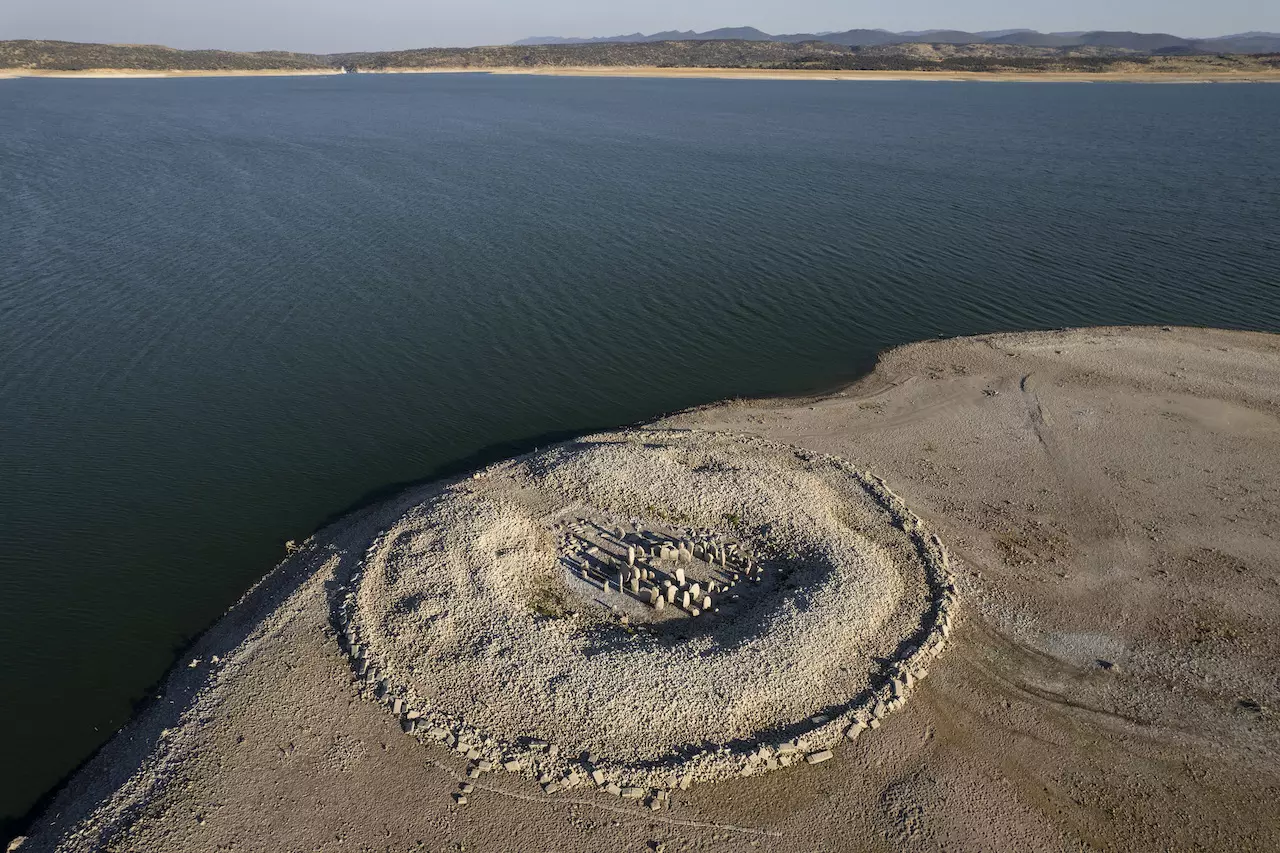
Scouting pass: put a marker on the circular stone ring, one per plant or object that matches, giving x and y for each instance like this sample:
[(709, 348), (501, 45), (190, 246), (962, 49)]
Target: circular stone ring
[(642, 610)]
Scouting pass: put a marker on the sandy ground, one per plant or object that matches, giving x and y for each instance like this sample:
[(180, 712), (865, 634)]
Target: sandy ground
[(707, 73), (113, 73), (1112, 499)]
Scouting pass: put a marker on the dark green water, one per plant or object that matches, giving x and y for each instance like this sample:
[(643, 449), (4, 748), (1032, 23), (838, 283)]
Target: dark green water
[(231, 308)]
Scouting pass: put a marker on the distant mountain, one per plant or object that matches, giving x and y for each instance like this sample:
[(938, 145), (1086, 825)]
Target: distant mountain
[(1243, 43), (722, 34), (852, 38), (1154, 43)]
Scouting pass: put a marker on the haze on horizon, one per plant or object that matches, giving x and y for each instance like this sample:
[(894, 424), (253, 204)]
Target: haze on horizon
[(332, 26)]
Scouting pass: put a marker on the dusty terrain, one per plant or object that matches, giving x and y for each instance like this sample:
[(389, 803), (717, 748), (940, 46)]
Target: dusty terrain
[(1111, 501)]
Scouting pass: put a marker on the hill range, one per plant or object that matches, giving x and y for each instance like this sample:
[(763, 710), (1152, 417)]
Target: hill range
[(1251, 42), (19, 58)]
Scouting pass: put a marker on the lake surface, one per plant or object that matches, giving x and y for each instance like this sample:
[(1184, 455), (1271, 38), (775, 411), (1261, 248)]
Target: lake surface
[(230, 309)]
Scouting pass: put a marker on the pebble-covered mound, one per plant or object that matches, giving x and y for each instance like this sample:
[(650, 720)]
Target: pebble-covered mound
[(640, 610)]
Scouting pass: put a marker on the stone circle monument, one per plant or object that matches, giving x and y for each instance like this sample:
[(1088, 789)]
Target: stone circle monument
[(642, 610)]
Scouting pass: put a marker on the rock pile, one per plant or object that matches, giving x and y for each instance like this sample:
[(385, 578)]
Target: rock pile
[(639, 611)]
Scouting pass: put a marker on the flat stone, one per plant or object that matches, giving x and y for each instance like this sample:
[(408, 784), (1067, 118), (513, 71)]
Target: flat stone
[(613, 788), (818, 757), (597, 776), (466, 787), (632, 793), (513, 766)]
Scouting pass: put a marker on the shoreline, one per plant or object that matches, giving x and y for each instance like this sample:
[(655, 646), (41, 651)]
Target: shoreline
[(133, 780), (684, 74), (141, 74)]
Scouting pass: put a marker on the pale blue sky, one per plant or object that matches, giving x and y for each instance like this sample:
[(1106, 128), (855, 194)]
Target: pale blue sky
[(342, 25)]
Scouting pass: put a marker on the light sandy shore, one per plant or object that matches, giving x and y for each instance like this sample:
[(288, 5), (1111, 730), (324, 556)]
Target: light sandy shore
[(704, 73), (1111, 500), (114, 73)]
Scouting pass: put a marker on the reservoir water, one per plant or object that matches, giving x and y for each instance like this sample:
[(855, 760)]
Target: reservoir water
[(230, 309)]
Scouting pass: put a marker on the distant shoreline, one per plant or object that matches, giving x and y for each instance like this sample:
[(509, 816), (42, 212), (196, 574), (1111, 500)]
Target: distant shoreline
[(142, 74), (687, 73)]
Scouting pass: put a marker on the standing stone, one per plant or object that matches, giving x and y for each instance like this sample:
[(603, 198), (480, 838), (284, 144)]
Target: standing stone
[(696, 590), (671, 595), (684, 599), (631, 555), (679, 577), (659, 603), (634, 585), (621, 581), (706, 603)]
